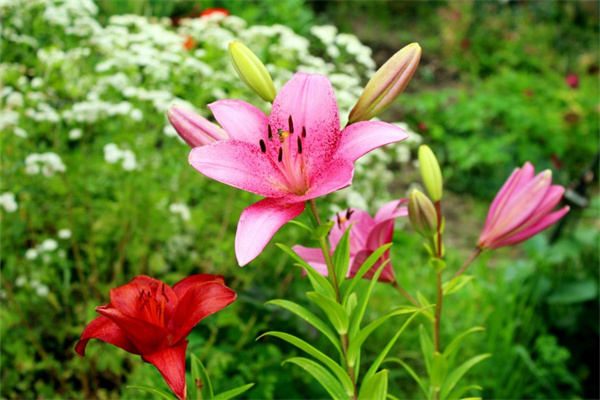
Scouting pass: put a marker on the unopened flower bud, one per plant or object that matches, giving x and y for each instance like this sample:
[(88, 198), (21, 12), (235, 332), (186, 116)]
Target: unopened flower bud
[(252, 71), (194, 129), (431, 173), (387, 84), (421, 214)]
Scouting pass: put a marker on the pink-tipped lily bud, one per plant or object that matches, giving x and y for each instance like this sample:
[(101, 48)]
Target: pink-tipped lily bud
[(430, 172), (387, 84), (252, 71), (422, 215), (522, 208), (194, 129)]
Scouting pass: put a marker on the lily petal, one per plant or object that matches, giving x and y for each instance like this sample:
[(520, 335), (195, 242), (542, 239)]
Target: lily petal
[(241, 120), (333, 176), (200, 300), (310, 102), (392, 209), (387, 275), (181, 287), (241, 165), (126, 298), (362, 137), (170, 362), (258, 223), (106, 330), (314, 257), (363, 223)]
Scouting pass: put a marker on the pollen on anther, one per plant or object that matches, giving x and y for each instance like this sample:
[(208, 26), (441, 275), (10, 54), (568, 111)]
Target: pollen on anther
[(270, 133), (263, 147), (303, 131), (299, 145), (291, 124), (280, 157)]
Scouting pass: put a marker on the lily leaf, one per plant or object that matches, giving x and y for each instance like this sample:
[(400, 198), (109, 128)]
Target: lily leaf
[(332, 385), (335, 312), (359, 313), (369, 262), (311, 319), (411, 372), (458, 393), (199, 372), (230, 394), (358, 340), (456, 284), (375, 388), (318, 281), (322, 231), (453, 346), (458, 373), (341, 257), (301, 225), (439, 369), (154, 391), (351, 303), (426, 348)]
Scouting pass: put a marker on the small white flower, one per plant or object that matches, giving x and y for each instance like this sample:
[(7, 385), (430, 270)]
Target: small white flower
[(112, 153), (42, 290), (181, 209), (37, 82), (75, 134), (136, 114), (20, 281), (49, 245), (31, 254), (129, 163), (32, 169), (169, 130), (64, 234), (20, 132), (15, 99), (7, 200)]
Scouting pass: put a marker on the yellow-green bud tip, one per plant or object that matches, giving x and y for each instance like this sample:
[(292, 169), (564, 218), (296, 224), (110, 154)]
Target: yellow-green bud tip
[(431, 173), (252, 71)]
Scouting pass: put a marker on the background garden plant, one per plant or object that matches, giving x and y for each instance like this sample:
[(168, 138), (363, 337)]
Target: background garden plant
[(94, 191)]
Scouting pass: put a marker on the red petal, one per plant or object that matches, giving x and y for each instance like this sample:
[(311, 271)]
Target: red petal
[(200, 301), (181, 287), (147, 337), (128, 299), (170, 362), (104, 329)]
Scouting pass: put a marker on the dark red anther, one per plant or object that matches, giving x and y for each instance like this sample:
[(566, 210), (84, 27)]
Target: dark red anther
[(299, 145), (280, 157), (270, 133), (263, 147), (303, 132), (291, 124)]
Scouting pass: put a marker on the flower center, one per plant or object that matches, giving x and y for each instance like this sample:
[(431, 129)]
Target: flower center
[(152, 302)]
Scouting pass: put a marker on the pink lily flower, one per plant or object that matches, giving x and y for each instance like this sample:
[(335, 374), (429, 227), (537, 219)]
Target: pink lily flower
[(366, 236), (522, 208), (193, 128), (295, 154)]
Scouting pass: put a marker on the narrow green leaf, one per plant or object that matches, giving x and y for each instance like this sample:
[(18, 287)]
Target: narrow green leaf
[(391, 397), (426, 348), (456, 284), (411, 372), (453, 346), (318, 281), (439, 369), (458, 373), (154, 391), (387, 348), (341, 257), (351, 303), (375, 388), (230, 394), (199, 372), (322, 231), (458, 393), (357, 341), (335, 312), (301, 225), (333, 387), (369, 262), (339, 372), (358, 315), (311, 319)]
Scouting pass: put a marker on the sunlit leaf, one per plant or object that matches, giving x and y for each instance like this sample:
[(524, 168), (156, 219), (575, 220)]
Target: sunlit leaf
[(358, 314), (230, 394), (334, 311), (439, 369), (457, 374), (375, 388), (332, 385), (341, 257), (199, 372), (319, 282), (426, 348), (453, 346), (456, 284), (366, 266)]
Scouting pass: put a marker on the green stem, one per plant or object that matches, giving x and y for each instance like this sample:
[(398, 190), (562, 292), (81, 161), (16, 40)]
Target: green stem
[(472, 258), (438, 211), (438, 311), (407, 295)]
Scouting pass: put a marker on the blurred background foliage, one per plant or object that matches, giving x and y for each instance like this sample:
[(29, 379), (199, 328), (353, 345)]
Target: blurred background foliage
[(491, 92)]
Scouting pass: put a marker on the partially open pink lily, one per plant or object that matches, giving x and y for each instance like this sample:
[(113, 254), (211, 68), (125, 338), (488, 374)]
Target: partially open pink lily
[(522, 208), (193, 128), (366, 235), (297, 153)]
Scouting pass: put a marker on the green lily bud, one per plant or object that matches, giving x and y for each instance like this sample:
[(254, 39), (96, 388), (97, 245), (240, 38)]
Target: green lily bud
[(387, 84), (252, 71), (421, 214), (430, 172)]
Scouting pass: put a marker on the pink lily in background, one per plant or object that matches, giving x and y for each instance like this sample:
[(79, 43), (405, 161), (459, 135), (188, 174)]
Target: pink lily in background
[(366, 236), (295, 154), (193, 128), (522, 208)]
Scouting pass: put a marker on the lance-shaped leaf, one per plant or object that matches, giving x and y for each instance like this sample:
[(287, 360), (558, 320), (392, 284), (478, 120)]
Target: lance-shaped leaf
[(411, 372), (458, 393), (311, 319), (332, 385), (453, 346), (339, 372), (319, 282), (341, 257), (335, 312), (426, 348), (456, 284), (202, 385), (458, 373), (439, 369), (153, 391), (366, 266), (230, 394), (375, 388), (358, 314)]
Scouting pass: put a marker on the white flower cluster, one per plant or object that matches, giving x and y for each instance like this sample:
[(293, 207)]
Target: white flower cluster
[(181, 209), (7, 200), (40, 289), (112, 154), (48, 163)]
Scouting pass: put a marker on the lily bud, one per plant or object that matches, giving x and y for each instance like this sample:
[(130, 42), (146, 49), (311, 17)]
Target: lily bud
[(430, 172), (252, 71), (194, 129), (421, 214), (387, 84)]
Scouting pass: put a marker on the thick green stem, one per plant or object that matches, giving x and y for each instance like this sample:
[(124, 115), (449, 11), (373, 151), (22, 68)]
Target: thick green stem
[(438, 311), (472, 258)]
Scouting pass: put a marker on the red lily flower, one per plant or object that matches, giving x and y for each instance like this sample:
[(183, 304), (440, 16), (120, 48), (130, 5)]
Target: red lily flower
[(149, 318)]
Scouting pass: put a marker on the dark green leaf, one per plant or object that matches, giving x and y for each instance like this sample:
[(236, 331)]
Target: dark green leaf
[(332, 385), (574, 292), (411, 372), (458, 373)]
